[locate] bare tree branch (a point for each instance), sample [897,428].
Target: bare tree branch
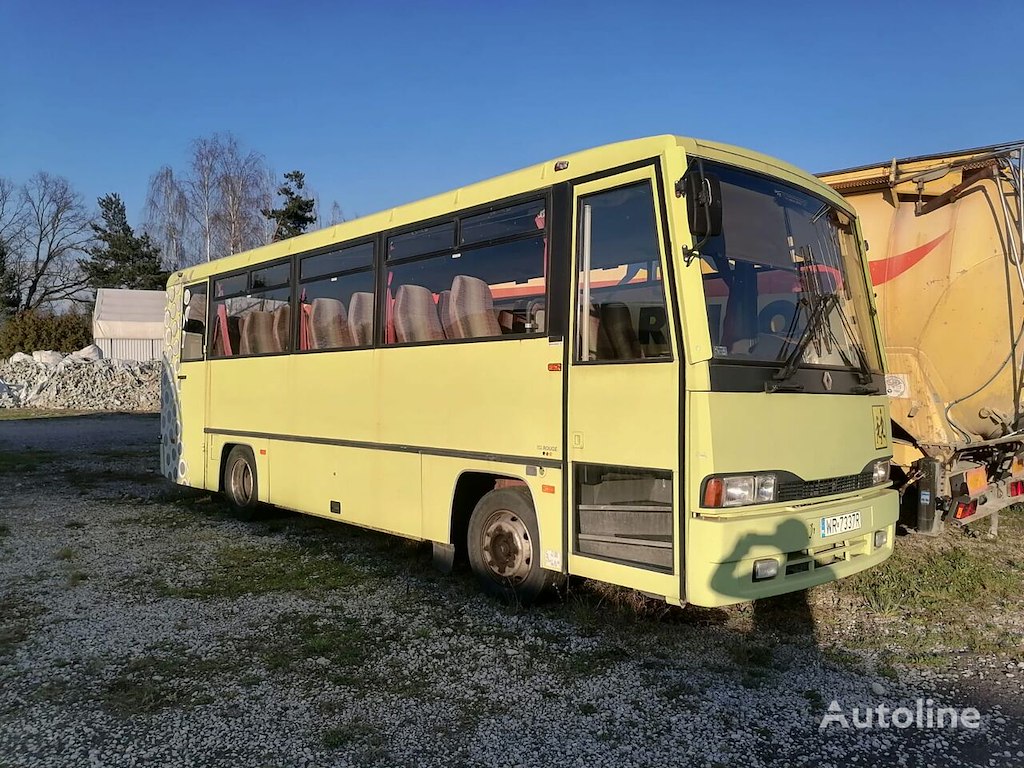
[54,238]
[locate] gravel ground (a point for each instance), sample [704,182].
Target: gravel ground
[142,624]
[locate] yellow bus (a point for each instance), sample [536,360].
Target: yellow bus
[653,363]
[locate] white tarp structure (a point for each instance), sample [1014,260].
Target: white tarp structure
[129,325]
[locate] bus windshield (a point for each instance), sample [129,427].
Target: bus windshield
[785,255]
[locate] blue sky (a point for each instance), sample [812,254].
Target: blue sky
[383,103]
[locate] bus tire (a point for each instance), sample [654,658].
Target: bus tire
[504,546]
[241,487]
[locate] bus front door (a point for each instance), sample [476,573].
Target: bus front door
[623,399]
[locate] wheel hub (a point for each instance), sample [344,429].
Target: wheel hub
[241,481]
[507,549]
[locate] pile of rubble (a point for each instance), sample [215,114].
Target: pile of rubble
[82,380]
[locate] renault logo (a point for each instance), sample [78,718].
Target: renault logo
[827,381]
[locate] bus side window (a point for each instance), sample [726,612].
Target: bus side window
[627,317]
[194,322]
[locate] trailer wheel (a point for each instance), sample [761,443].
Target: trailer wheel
[504,546]
[240,480]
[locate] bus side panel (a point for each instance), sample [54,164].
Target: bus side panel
[249,396]
[375,489]
[493,397]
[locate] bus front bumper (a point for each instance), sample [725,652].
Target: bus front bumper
[721,570]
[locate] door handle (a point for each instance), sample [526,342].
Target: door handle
[182,377]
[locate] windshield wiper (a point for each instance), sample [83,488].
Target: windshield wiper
[821,307]
[864,369]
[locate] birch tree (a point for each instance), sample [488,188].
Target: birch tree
[166,220]
[242,188]
[212,208]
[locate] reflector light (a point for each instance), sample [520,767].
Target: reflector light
[1017,488]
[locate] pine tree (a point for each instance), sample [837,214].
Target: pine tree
[120,259]
[296,212]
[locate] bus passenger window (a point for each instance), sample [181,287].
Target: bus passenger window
[336,299]
[623,315]
[194,323]
[493,286]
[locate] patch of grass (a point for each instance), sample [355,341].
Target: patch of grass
[247,570]
[5,530]
[65,554]
[924,576]
[168,676]
[75,578]
[85,479]
[356,732]
[126,453]
[16,414]
[746,654]
[25,461]
[814,698]
[74,525]
[18,619]
[934,598]
[297,638]
[841,657]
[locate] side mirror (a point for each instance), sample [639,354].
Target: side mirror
[703,204]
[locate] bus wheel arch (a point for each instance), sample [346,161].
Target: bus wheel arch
[470,487]
[503,543]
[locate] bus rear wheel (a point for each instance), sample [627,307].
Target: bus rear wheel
[504,546]
[240,480]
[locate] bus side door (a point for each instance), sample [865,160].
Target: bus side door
[191,388]
[624,389]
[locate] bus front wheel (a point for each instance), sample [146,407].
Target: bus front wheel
[240,484]
[504,546]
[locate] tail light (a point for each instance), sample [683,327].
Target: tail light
[1017,488]
[966,509]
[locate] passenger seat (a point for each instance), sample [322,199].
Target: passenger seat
[473,309]
[328,324]
[416,315]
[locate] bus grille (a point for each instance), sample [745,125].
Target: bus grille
[808,489]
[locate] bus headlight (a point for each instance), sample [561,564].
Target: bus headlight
[739,490]
[880,472]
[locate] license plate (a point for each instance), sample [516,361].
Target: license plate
[830,526]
